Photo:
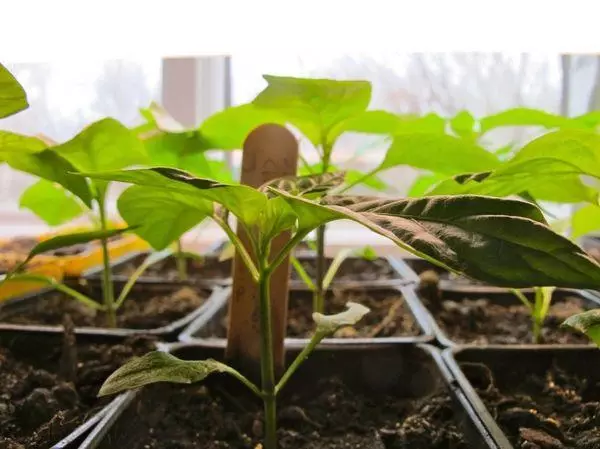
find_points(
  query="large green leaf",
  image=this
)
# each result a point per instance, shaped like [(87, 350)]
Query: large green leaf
[(244, 202), (438, 153), (502, 242), (560, 185), (525, 117), (585, 220), (463, 125), (228, 129), (372, 180), (424, 183), (12, 95), (11, 142), (162, 216), (49, 165), (314, 106), (51, 203), (104, 145), (159, 366), (577, 148), (368, 122), (554, 158)]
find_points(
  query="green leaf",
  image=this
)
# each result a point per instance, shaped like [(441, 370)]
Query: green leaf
[(50, 166), (161, 216), (228, 129), (463, 125), (545, 180), (104, 145), (328, 324), (314, 106), (587, 323), (12, 142), (585, 220), (159, 366), (373, 181), (423, 183), (498, 241), (367, 122), (579, 149), (367, 253), (277, 217), (66, 240), (438, 153), (12, 95), (306, 185), (525, 117), (244, 202), (51, 203), (589, 119)]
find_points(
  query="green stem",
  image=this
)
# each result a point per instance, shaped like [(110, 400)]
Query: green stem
[(181, 262), (89, 302), (107, 285), (239, 247), (266, 356), (318, 301), (312, 344), (289, 246)]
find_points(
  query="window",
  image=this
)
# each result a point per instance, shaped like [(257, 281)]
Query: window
[(64, 97)]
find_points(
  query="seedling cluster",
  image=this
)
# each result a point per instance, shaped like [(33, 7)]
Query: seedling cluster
[(476, 212)]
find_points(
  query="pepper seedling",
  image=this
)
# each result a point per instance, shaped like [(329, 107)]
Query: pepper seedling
[(367, 253), (103, 145), (169, 143), (66, 240), (501, 241)]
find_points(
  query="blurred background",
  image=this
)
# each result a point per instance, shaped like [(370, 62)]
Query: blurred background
[(66, 95)]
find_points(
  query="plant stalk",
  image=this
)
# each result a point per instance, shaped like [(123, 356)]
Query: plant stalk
[(318, 297), (181, 262), (266, 356), (107, 285)]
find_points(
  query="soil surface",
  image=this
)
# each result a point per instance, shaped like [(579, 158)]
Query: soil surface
[(326, 415), (211, 268), (352, 270), (141, 310), (557, 410), (39, 406), (480, 321), (390, 316)]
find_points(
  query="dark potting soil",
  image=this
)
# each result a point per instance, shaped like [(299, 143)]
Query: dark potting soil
[(141, 310), (166, 269), (352, 270), (481, 322), (555, 411), (326, 415), (39, 406), (211, 268), (389, 314), (484, 321)]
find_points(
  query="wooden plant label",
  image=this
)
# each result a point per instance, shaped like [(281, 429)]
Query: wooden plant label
[(270, 151)]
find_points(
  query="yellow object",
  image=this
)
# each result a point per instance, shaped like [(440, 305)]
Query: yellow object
[(43, 265), (59, 267)]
